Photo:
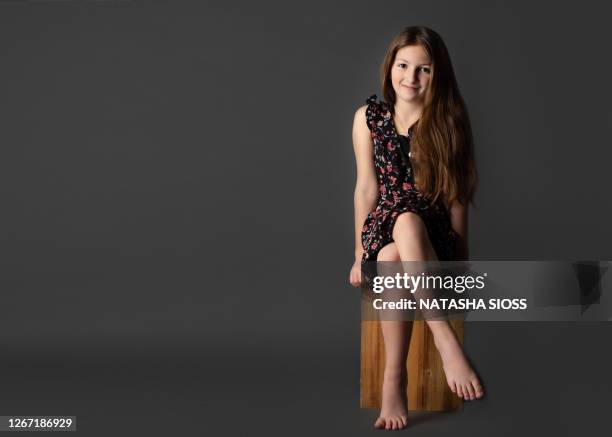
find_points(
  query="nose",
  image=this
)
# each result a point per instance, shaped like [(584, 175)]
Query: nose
[(413, 75)]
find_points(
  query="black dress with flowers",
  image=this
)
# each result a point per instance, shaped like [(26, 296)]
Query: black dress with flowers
[(397, 191)]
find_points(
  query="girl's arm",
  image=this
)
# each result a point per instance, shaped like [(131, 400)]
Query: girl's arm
[(366, 187), (459, 223)]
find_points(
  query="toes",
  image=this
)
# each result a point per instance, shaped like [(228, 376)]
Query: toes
[(470, 391), (462, 394), (391, 423), (477, 389), (380, 423)]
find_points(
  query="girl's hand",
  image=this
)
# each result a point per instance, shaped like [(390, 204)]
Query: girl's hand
[(355, 275)]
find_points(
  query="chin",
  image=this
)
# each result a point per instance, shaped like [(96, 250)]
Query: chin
[(410, 97)]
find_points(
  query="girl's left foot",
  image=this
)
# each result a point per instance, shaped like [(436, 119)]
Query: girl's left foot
[(460, 376)]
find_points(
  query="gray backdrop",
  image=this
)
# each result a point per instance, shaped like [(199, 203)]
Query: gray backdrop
[(177, 231)]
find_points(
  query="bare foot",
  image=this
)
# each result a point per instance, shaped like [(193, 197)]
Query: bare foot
[(394, 411), (459, 374)]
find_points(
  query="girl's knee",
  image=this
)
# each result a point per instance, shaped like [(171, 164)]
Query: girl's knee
[(388, 253), (410, 224)]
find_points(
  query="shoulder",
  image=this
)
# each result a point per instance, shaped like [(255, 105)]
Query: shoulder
[(372, 112), (360, 114), (372, 104)]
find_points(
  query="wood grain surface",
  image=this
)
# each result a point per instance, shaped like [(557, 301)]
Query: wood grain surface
[(427, 387)]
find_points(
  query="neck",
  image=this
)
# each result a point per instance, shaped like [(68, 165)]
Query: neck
[(407, 113)]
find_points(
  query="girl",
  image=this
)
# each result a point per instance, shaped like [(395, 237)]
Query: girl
[(415, 179)]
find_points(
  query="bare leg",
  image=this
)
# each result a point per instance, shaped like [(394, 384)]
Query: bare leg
[(396, 335), (412, 243)]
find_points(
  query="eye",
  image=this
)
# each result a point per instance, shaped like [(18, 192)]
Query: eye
[(401, 65), (425, 69)]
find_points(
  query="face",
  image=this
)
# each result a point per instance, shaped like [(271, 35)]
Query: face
[(410, 73)]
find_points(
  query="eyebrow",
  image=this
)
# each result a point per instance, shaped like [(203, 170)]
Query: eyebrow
[(408, 62)]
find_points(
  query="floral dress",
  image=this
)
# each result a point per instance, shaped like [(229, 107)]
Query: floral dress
[(397, 191)]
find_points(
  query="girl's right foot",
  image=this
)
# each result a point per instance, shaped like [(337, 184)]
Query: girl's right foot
[(394, 411)]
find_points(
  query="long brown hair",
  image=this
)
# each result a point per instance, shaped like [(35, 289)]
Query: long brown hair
[(442, 140)]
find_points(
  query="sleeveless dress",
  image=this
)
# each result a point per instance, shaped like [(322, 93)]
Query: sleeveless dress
[(397, 192)]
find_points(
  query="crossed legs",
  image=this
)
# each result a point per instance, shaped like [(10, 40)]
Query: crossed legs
[(411, 243)]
